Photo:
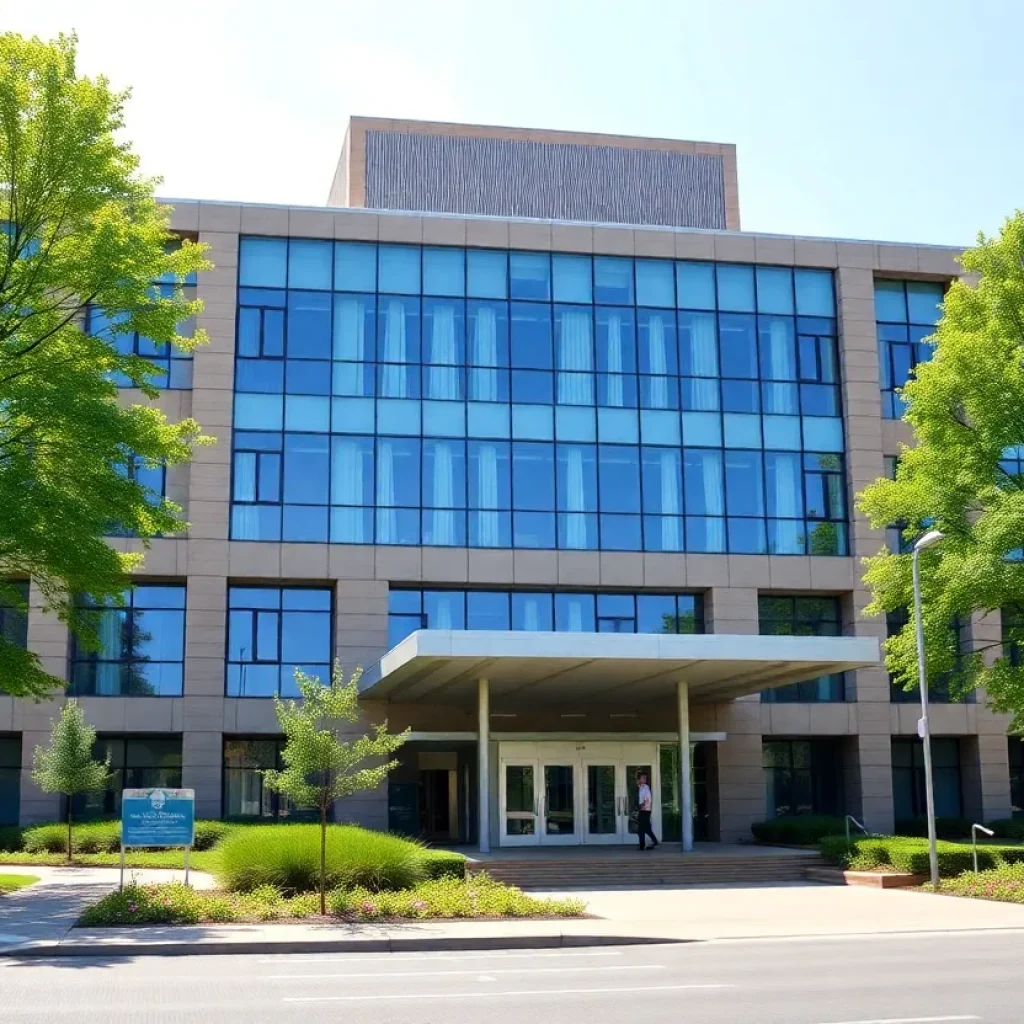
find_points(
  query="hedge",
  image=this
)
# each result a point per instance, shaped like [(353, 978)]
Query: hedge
[(1005, 884), (1008, 828), (798, 829), (289, 859), (907, 855), (945, 828)]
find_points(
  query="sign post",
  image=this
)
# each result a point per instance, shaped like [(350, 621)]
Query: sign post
[(158, 817)]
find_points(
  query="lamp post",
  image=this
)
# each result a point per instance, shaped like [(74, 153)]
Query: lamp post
[(928, 540)]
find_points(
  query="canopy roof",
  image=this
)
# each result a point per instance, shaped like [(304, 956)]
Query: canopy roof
[(537, 669)]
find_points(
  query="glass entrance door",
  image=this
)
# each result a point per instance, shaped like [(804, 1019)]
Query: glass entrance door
[(604, 803), (558, 805), (519, 803)]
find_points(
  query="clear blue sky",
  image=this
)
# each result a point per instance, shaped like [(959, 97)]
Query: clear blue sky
[(886, 119)]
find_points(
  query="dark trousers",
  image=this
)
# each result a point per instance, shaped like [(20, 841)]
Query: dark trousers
[(643, 828)]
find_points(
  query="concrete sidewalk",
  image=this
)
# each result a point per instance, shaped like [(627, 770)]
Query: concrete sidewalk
[(39, 921)]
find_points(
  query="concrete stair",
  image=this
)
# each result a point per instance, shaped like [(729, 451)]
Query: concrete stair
[(660, 868)]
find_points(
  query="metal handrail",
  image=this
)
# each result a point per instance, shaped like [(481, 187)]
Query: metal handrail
[(975, 829), (851, 819)]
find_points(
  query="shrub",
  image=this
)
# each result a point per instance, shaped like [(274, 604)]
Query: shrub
[(798, 829), (449, 897), (945, 828), (290, 859), (10, 838), (1008, 828), (443, 864), (210, 833), (89, 837), (1004, 883), (909, 855)]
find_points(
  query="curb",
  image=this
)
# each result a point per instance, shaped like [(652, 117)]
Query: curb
[(387, 945)]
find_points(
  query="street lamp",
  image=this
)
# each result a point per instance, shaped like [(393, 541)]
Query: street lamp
[(930, 539)]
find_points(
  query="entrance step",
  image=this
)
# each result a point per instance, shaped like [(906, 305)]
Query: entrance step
[(659, 868)]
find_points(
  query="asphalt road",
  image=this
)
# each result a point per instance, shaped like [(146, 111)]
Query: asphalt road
[(922, 979)]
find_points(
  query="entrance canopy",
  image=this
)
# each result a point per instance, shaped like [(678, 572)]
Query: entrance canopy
[(434, 665)]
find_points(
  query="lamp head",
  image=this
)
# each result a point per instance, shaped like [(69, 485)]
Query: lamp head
[(930, 539)]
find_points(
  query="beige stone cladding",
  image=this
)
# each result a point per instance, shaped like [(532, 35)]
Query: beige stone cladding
[(206, 561)]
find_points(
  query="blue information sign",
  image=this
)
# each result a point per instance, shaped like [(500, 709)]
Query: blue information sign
[(158, 817)]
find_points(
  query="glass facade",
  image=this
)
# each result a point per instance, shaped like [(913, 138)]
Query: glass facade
[(10, 778), (397, 394), (271, 632), (1016, 758), (908, 778), (542, 611), (13, 614), (245, 795), (136, 762), (802, 776), (141, 649), (174, 365), (939, 689), (809, 615), (906, 313)]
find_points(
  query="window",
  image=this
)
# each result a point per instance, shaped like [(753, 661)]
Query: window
[(802, 616), (174, 366), (136, 762), (456, 397), (271, 632), (542, 611), (152, 478), (1012, 618), (938, 689), (1016, 757), (14, 613), (906, 313), (908, 778), (245, 795), (802, 777), (10, 779), (141, 649)]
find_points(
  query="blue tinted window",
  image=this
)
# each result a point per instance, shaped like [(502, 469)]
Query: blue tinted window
[(444, 272), (263, 262), (398, 269), (906, 312), (735, 288), (309, 264), (572, 278), (924, 301), (530, 275), (446, 396), (141, 650), (486, 274), (355, 266), (890, 301), (655, 283)]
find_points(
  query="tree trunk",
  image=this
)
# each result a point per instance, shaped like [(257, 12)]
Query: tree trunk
[(69, 829), (323, 859)]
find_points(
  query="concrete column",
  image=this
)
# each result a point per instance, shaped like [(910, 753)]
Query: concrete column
[(685, 787), (483, 767)]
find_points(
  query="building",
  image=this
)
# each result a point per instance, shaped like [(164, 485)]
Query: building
[(543, 391)]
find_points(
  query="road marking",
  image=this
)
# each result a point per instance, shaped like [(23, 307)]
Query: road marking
[(483, 994), (400, 956), (442, 974), (906, 1020)]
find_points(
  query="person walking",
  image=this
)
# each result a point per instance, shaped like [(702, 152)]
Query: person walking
[(643, 815)]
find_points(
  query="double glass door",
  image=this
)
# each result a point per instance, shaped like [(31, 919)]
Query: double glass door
[(557, 794)]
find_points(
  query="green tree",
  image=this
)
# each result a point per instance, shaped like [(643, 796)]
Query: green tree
[(82, 242), (320, 768), (966, 407), (67, 766)]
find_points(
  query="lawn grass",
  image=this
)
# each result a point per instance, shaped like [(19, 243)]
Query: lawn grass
[(199, 860), (11, 883)]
